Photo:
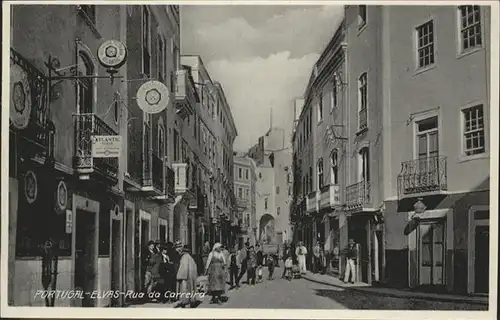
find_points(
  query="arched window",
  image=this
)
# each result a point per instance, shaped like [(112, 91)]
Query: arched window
[(334, 165), (320, 173), (84, 87)]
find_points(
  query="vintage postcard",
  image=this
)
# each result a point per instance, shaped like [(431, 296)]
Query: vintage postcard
[(231, 159)]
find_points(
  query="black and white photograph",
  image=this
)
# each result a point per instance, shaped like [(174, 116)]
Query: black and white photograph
[(249, 159)]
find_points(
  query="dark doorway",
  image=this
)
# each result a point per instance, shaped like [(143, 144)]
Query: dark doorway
[(357, 230), (85, 255), (116, 255), (163, 233), (482, 260)]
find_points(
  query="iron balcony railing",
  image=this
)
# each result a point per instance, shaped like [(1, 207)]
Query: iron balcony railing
[(358, 194), (170, 182), (86, 126), (37, 130), (423, 175), (157, 178), (363, 123)]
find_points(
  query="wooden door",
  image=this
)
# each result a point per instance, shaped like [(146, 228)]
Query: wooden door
[(482, 259), (432, 250)]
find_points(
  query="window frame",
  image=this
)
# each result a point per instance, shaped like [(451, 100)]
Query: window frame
[(362, 87), (334, 99), (418, 67), (362, 21), (462, 156), (460, 29), (320, 174), (145, 12), (161, 58), (319, 107), (435, 112), (334, 167)]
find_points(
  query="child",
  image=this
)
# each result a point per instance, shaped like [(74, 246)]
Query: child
[(270, 266), (288, 268)]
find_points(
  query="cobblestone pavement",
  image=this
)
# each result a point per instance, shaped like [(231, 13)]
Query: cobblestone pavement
[(303, 294)]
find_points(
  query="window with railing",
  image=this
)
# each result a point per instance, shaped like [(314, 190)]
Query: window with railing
[(334, 164), (362, 101), (146, 41), (320, 174), (470, 27)]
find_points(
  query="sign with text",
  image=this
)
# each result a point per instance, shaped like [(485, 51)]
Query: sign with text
[(69, 221), (106, 146)]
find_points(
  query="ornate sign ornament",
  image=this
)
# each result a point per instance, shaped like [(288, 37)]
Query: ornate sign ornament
[(61, 197), (20, 97), (112, 54), (419, 208), (30, 187), (153, 97)]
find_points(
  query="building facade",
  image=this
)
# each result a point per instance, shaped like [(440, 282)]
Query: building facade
[(216, 131), (245, 179), (412, 141), (273, 157), (52, 168), (171, 181)]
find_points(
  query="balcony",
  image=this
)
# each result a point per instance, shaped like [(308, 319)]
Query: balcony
[(330, 196), (182, 180), (358, 194), (185, 94), (423, 176), (311, 202), (170, 182), (28, 100), (363, 121), (88, 125)]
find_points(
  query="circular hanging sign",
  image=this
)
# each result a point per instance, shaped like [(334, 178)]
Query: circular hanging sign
[(152, 97), (30, 187), (61, 197), (20, 97), (112, 54)]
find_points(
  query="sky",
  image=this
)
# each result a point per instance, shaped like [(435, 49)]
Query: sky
[(262, 56)]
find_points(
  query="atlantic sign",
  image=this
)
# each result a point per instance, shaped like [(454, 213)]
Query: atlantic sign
[(106, 146)]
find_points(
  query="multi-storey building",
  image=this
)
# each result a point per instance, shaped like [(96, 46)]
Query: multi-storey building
[(214, 125), (273, 157), (245, 178), (64, 204), (413, 155), (319, 145)]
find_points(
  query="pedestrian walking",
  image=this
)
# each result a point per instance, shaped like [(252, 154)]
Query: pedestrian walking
[(172, 267), (286, 254), (316, 257), (166, 273), (149, 263), (288, 268), (233, 269), (243, 258), (251, 266), (226, 254), (215, 269), (270, 266), (186, 278), (205, 252), (351, 257), (301, 252), (260, 262)]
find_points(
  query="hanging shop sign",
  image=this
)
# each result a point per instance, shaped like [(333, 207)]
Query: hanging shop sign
[(30, 187), (152, 97), (112, 54), (106, 146), (69, 221), (61, 197), (20, 97)]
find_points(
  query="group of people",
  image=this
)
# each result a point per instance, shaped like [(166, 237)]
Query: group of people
[(169, 270), (225, 265)]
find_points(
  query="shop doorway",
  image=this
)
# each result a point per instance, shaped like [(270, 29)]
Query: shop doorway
[(85, 255), (358, 230), (482, 260), (116, 257), (431, 253)]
